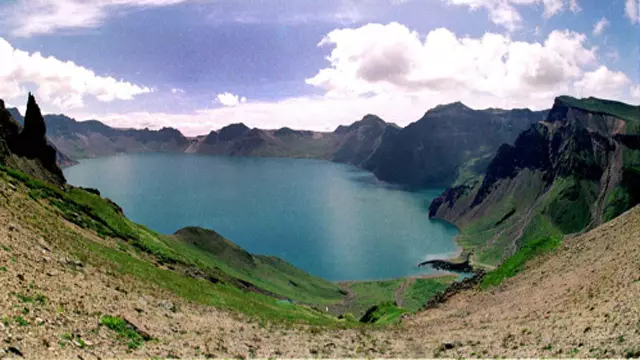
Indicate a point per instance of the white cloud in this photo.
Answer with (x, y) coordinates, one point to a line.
(504, 12)
(177, 91)
(313, 113)
(574, 6)
(635, 92)
(598, 28)
(62, 84)
(603, 83)
(33, 17)
(397, 74)
(631, 10)
(391, 59)
(230, 100)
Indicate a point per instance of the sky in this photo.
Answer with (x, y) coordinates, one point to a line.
(198, 65)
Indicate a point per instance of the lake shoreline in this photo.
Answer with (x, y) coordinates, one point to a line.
(381, 230)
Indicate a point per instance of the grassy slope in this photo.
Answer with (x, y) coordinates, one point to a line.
(131, 249)
(383, 293)
(563, 209)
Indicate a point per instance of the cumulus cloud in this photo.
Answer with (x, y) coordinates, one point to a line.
(598, 28)
(230, 100)
(631, 10)
(504, 12)
(388, 59)
(62, 84)
(33, 17)
(603, 83)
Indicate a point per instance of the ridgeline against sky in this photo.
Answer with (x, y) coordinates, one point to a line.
(198, 65)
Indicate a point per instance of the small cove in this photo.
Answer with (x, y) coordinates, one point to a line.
(332, 220)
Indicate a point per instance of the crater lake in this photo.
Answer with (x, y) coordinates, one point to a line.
(332, 220)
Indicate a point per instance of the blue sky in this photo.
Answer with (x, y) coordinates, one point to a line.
(200, 64)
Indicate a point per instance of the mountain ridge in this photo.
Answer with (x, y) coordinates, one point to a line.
(370, 143)
(568, 173)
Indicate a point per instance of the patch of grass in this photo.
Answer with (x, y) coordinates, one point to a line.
(625, 195)
(124, 331)
(370, 293)
(423, 289)
(41, 299)
(38, 299)
(568, 206)
(23, 298)
(383, 314)
(21, 321)
(537, 240)
(3, 268)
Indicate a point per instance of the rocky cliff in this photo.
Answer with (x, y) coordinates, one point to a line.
(447, 141)
(26, 148)
(570, 172)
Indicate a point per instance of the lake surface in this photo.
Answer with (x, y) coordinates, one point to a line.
(332, 220)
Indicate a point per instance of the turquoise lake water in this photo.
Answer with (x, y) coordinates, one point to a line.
(332, 220)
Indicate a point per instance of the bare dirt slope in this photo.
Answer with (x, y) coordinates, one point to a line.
(581, 301)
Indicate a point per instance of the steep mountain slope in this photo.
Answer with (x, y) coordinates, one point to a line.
(580, 301)
(568, 173)
(447, 141)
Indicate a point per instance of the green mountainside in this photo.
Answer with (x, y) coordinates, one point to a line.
(569, 173)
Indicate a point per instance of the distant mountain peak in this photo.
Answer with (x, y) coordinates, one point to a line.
(233, 131)
(367, 120)
(458, 105)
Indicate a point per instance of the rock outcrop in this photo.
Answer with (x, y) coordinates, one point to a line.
(26, 148)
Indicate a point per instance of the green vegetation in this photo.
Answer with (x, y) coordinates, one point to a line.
(21, 321)
(473, 169)
(569, 204)
(369, 293)
(125, 331)
(411, 293)
(536, 241)
(615, 108)
(625, 195)
(423, 289)
(383, 314)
